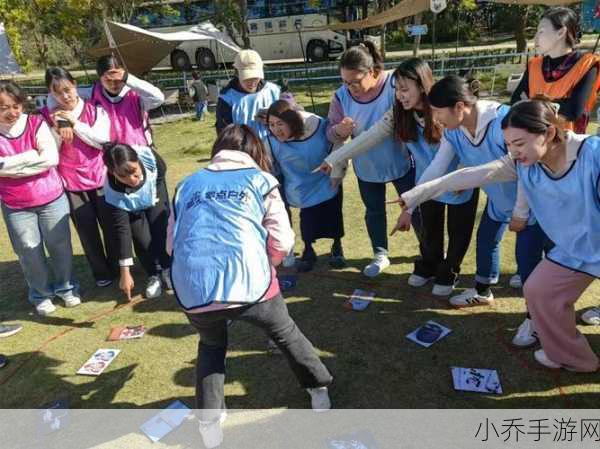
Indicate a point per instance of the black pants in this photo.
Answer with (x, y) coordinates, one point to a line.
(272, 317)
(91, 215)
(460, 222)
(149, 233)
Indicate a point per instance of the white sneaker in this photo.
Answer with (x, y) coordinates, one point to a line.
(443, 290)
(515, 281)
(414, 280)
(592, 316)
(319, 399)
(165, 275)
(526, 335)
(379, 263)
(153, 287)
(290, 260)
(470, 298)
(72, 301)
(211, 432)
(45, 308)
(541, 357)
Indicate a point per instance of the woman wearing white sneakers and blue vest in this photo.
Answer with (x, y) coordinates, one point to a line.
(230, 232)
(298, 142)
(367, 94)
(246, 94)
(138, 209)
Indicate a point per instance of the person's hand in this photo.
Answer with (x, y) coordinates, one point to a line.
(66, 134)
(325, 167)
(345, 127)
(403, 223)
(117, 74)
(126, 282)
(517, 224)
(399, 201)
(64, 115)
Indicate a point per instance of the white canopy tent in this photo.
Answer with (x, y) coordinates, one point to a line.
(8, 63)
(142, 49)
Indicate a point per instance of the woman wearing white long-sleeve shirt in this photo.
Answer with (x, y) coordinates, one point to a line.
(81, 129)
(34, 206)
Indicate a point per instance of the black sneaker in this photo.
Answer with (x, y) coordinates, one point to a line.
(336, 258)
(3, 361)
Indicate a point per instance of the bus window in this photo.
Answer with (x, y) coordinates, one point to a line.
(254, 28)
(268, 27)
(282, 25)
(200, 11)
(298, 23)
(257, 9)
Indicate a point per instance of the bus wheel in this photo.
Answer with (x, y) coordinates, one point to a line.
(317, 51)
(205, 59)
(180, 61)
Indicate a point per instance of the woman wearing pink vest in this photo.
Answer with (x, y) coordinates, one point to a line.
(127, 100)
(81, 129)
(34, 206)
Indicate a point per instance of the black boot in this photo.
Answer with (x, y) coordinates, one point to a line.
(336, 258)
(307, 262)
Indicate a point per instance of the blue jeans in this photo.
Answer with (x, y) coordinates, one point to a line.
(200, 109)
(531, 243)
(373, 197)
(29, 230)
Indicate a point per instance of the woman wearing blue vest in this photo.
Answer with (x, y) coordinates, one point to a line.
(411, 121)
(246, 94)
(559, 173)
(138, 207)
(474, 134)
(230, 232)
(298, 142)
(366, 95)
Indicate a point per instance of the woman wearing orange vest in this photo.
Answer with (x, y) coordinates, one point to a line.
(561, 73)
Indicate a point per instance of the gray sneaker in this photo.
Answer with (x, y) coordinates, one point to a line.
(6, 330)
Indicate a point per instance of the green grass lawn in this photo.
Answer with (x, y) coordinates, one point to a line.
(373, 363)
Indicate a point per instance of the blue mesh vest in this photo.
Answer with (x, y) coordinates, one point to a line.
(423, 153)
(143, 198)
(244, 106)
(388, 160)
(501, 196)
(568, 208)
(219, 242)
(297, 159)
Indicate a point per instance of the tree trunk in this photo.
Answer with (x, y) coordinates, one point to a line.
(520, 36)
(244, 23)
(417, 43)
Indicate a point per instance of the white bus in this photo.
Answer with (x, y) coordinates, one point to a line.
(272, 24)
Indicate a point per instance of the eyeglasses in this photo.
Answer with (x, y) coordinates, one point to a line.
(355, 82)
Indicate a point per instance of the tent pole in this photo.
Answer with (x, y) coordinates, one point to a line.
(306, 69)
(433, 42)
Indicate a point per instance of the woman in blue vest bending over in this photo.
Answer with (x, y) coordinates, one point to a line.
(230, 232)
(298, 142)
(366, 95)
(138, 209)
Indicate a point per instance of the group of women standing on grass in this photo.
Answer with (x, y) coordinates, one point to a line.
(91, 154)
(88, 155)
